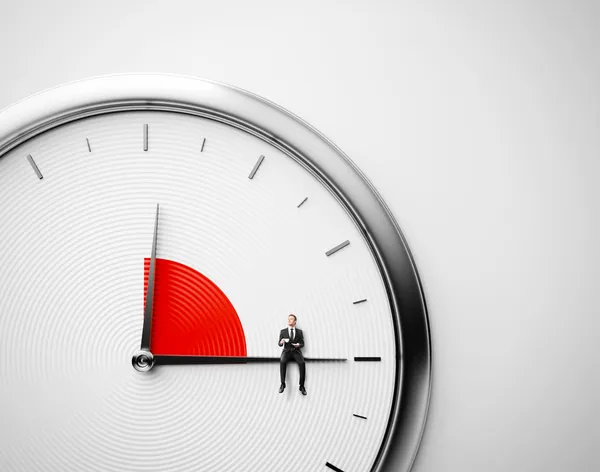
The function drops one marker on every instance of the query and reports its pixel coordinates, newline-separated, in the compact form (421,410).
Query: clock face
(244,233)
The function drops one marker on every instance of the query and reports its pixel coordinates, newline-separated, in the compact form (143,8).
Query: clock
(156,233)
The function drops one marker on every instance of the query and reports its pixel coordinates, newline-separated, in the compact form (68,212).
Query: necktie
(292,334)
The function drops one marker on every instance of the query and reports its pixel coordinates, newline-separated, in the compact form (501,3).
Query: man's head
(291,320)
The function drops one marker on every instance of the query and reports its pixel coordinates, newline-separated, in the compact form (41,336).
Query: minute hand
(186,360)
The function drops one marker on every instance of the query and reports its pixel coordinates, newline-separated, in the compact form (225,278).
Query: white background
(477,121)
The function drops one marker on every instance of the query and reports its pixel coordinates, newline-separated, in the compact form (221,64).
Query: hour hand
(146,330)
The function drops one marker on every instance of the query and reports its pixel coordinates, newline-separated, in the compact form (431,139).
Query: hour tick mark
(367,359)
(359,416)
(256,166)
(337,248)
(333,467)
(359,301)
(35,167)
(302,202)
(145,137)
(88,144)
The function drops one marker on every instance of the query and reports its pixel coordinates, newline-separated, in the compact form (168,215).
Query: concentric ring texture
(235,256)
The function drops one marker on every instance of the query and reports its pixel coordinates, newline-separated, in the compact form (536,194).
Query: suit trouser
(287,356)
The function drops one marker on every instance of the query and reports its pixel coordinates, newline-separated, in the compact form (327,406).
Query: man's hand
(296,345)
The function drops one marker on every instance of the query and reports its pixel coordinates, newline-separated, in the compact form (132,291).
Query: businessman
(292,340)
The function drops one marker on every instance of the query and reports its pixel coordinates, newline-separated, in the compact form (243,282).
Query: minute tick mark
(145,137)
(256,166)
(333,467)
(35,167)
(337,248)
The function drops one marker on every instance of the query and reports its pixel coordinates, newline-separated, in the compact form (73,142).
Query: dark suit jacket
(298,339)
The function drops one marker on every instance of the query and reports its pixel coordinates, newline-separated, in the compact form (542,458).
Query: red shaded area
(191,315)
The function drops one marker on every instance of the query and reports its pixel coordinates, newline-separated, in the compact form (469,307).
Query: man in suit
(292,341)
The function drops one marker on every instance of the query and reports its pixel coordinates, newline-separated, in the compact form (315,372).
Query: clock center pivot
(142,361)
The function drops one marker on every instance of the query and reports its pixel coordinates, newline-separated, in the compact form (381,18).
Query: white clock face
(239,247)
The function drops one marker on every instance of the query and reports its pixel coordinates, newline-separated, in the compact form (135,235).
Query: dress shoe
(302,389)
(282,388)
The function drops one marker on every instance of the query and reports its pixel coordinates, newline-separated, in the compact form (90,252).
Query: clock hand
(143,360)
(146,330)
(186,360)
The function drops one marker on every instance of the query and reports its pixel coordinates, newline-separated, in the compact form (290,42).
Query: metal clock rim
(279,127)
